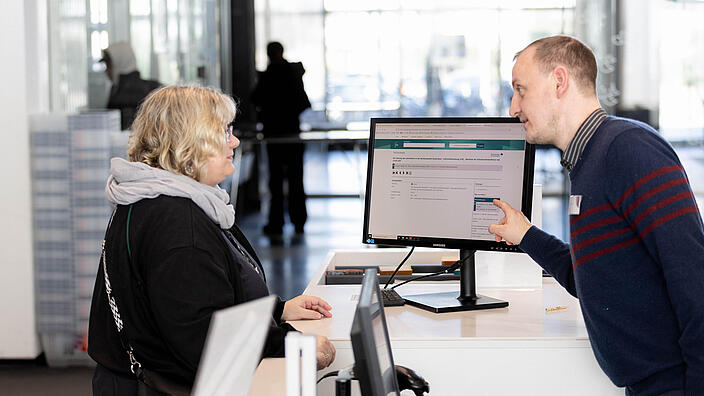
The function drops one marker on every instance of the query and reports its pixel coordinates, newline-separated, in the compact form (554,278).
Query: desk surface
(524,318)
(270,378)
(521,349)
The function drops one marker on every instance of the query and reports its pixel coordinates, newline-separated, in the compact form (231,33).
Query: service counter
(518,350)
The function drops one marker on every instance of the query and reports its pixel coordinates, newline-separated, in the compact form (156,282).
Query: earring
(189,169)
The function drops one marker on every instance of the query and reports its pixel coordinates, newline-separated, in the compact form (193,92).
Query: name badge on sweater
(575,204)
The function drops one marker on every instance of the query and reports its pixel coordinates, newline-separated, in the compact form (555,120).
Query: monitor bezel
(448,243)
(363,343)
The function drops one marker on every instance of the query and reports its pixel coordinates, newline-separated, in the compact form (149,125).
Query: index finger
(494,229)
(504,206)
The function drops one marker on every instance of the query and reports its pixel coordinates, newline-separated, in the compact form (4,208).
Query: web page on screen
(439,180)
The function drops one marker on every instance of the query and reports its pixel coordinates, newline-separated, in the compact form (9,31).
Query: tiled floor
(35,379)
(290,261)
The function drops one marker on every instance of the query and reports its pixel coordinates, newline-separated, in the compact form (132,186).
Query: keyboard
(390,298)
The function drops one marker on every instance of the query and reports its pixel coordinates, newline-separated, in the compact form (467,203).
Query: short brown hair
(178,127)
(569,52)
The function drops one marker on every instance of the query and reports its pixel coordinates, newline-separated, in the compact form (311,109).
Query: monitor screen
(431,181)
(374,363)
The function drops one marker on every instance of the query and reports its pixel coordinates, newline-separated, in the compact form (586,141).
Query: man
(128,89)
(280,99)
(636,257)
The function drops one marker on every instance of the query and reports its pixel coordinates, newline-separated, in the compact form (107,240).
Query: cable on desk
(328,375)
(450,268)
(391,278)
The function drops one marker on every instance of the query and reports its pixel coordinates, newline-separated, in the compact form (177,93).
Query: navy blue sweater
(635,261)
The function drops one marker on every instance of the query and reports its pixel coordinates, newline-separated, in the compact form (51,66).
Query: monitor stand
(467,300)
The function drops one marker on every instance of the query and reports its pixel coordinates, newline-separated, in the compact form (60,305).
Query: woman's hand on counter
(306,307)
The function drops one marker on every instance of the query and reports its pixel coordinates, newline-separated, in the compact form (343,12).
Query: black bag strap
(135,365)
(153,380)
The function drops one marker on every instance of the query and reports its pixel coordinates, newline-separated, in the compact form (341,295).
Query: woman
(172,251)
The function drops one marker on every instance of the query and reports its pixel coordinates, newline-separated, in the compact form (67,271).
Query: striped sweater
(635,260)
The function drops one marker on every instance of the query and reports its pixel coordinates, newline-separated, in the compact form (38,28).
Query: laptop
(233,348)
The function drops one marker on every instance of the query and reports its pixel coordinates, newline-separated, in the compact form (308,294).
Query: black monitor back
(374,363)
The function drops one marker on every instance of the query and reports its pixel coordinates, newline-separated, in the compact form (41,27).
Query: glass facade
(405,58)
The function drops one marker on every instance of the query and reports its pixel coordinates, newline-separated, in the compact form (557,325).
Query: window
(405,57)
(681,71)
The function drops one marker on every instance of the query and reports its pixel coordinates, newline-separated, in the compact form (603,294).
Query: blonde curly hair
(178,127)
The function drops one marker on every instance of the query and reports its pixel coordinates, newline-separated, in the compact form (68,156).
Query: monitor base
(448,302)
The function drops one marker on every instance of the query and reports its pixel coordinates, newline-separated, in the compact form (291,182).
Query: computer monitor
(431,183)
(373,360)
(233,348)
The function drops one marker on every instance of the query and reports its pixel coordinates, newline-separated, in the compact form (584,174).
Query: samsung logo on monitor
(438,245)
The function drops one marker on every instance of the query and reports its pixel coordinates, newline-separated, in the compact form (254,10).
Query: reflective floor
(290,260)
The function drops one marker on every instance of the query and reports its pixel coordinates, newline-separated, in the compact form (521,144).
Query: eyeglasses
(228,133)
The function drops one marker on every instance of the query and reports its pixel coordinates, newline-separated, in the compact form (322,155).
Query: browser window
(461,166)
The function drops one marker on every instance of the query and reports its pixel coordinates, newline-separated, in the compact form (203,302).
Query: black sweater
(181,271)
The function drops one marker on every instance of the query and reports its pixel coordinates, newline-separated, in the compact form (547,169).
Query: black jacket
(280,97)
(181,271)
(128,94)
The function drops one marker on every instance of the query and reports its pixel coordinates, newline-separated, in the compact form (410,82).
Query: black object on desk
(406,378)
(427,268)
(373,359)
(409,379)
(332,278)
(420,268)
(390,298)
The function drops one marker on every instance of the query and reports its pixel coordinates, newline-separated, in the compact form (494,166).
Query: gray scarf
(130,182)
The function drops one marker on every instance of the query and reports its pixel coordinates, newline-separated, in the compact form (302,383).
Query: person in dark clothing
(173,253)
(280,98)
(128,89)
(636,234)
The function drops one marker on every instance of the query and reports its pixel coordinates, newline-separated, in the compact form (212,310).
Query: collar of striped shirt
(580,139)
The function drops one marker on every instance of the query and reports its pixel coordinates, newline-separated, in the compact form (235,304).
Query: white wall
(18,336)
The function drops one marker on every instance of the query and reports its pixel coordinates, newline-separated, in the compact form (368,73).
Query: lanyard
(244,253)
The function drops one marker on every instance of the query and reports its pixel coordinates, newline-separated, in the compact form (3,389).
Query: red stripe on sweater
(664,202)
(591,226)
(646,231)
(654,191)
(590,211)
(677,213)
(599,253)
(599,238)
(606,206)
(647,178)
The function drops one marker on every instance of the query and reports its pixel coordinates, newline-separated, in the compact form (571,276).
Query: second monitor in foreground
(431,182)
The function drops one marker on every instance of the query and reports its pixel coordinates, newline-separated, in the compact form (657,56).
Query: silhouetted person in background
(128,89)
(280,98)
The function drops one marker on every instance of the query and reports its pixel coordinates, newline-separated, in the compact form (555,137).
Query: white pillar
(18,335)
